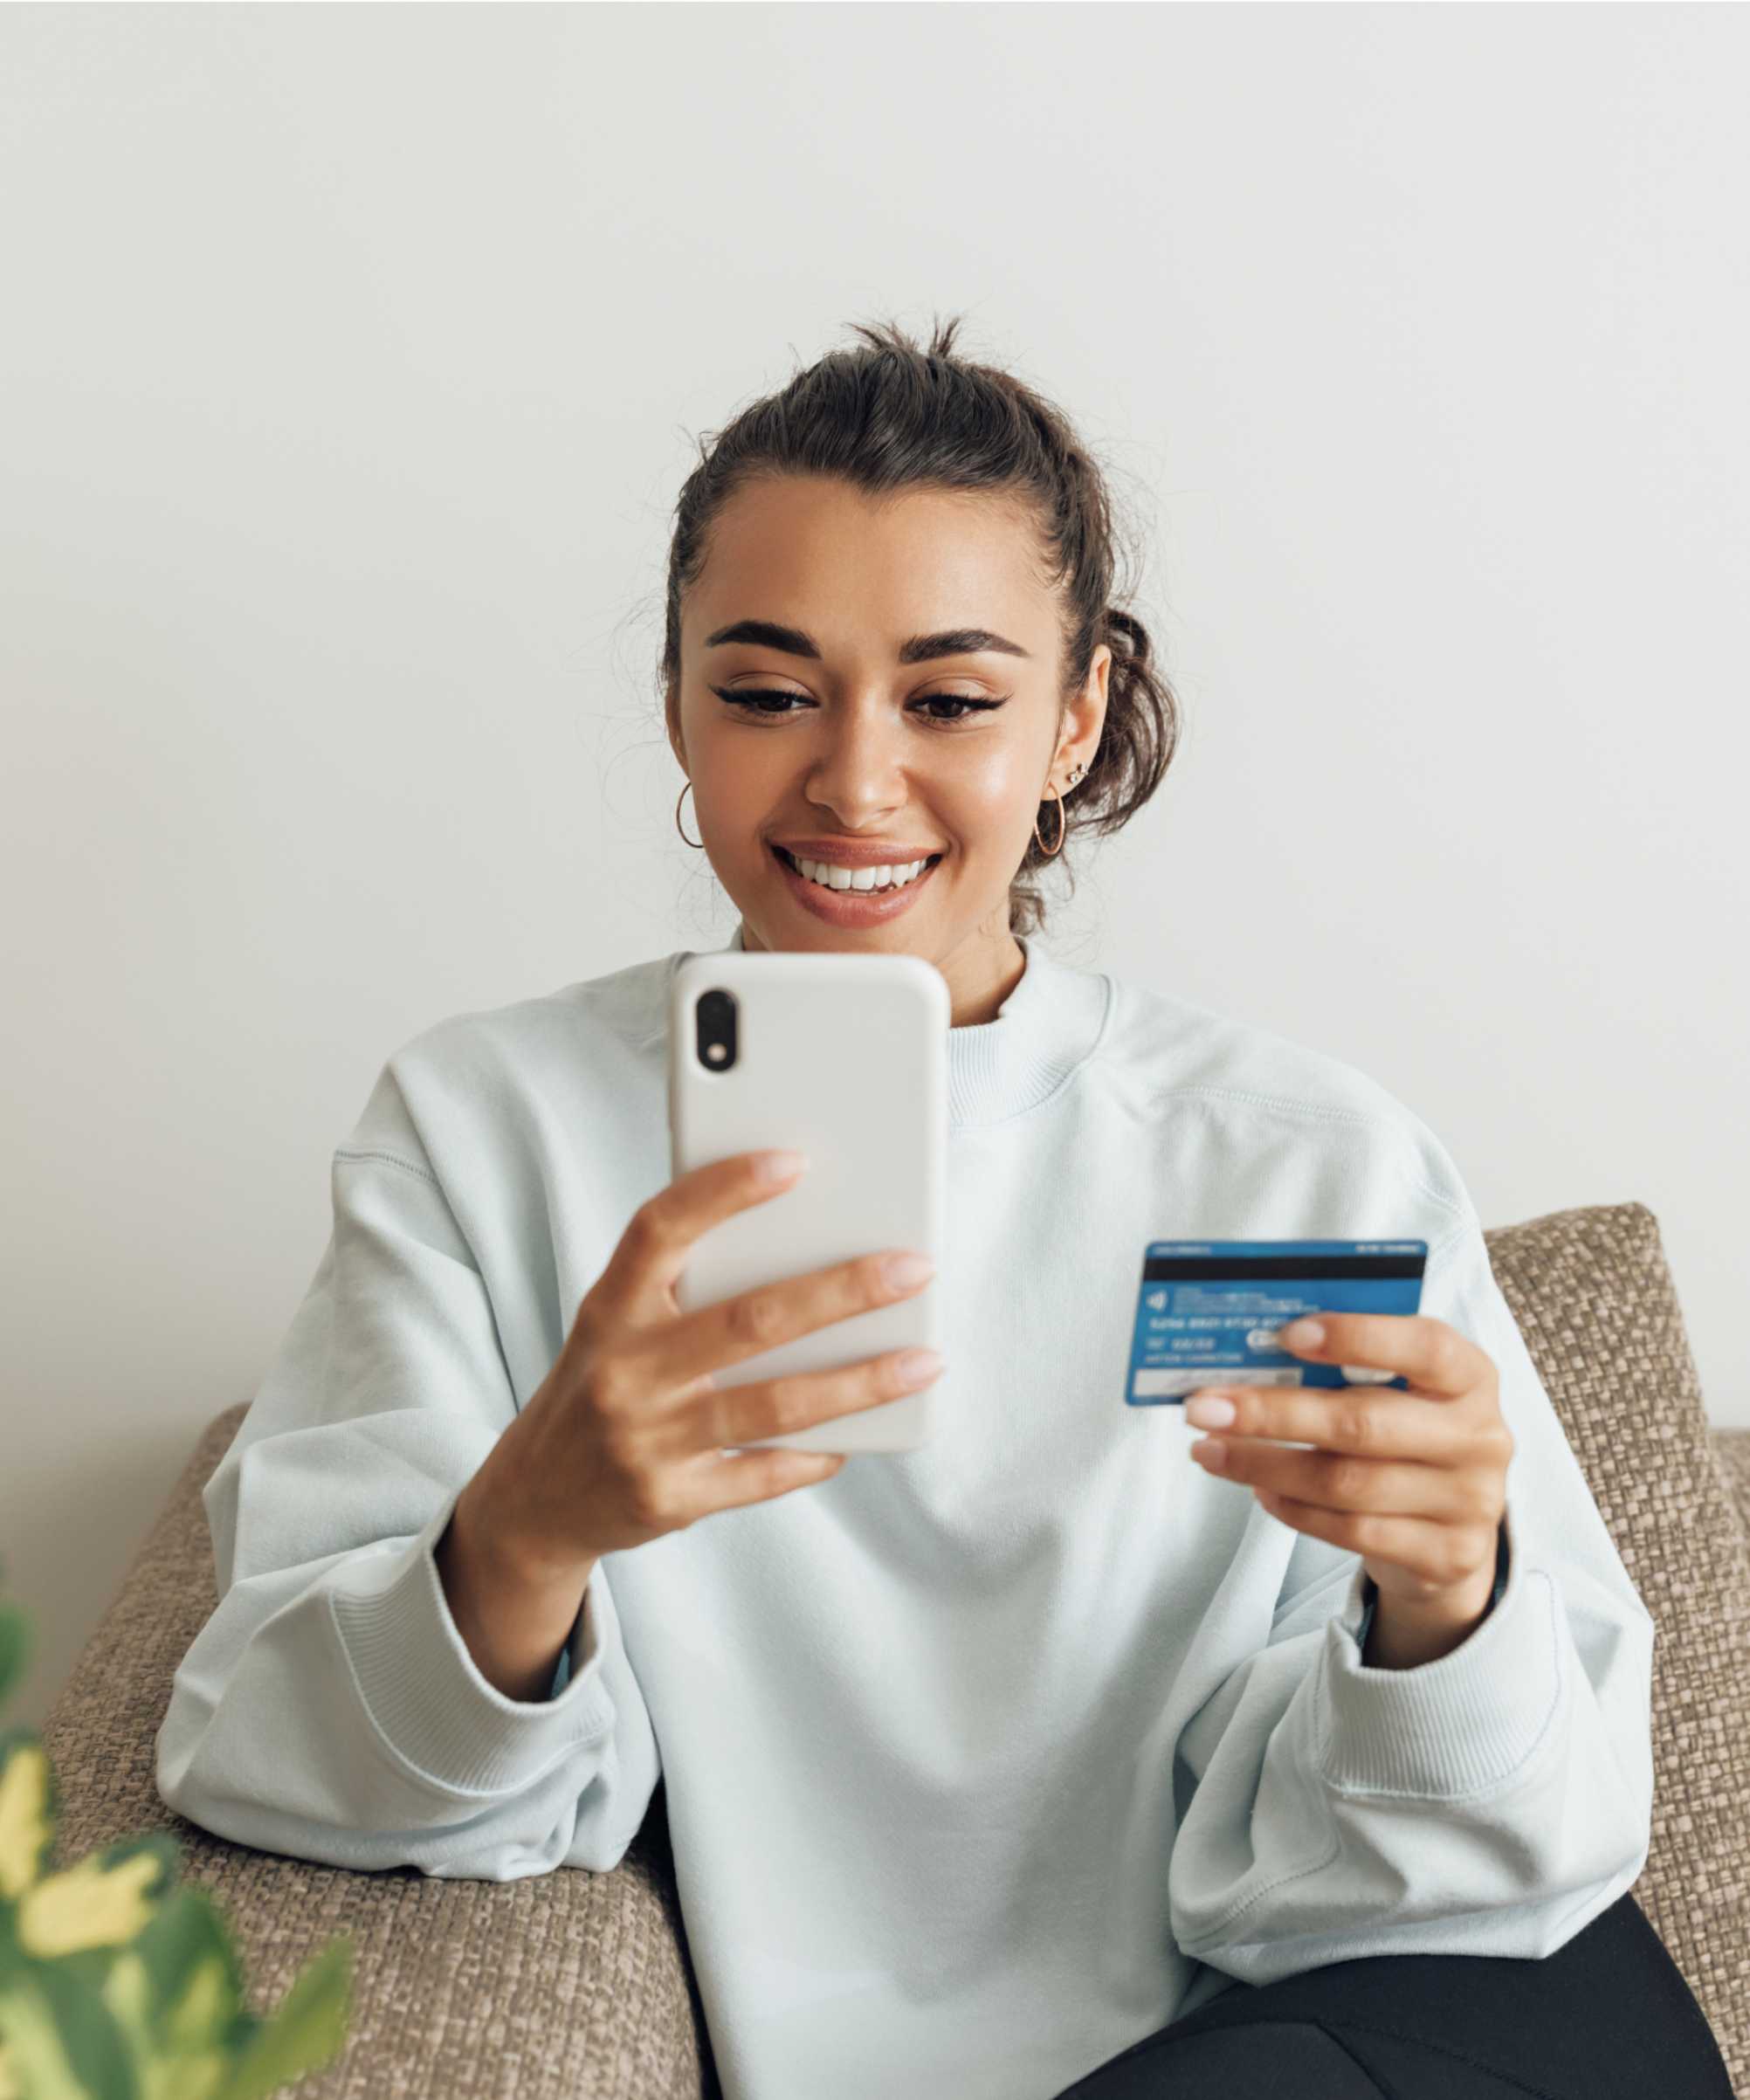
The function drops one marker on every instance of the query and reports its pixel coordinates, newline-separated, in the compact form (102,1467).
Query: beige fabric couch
(577,1986)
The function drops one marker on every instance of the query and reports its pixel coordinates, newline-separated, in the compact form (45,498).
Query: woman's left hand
(1416,1482)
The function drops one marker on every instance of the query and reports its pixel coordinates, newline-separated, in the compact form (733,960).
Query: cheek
(736,776)
(994,790)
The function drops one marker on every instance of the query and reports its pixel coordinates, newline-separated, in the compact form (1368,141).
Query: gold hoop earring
(1052,852)
(697,844)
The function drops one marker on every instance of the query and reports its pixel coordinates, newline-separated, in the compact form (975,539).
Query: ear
(671,710)
(1083,717)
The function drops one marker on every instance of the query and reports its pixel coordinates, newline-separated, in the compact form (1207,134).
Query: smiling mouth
(864,881)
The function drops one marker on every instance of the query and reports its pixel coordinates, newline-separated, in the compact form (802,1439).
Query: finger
(1437,1554)
(732,1480)
(758,1320)
(686,1490)
(654,1247)
(1436,1358)
(1360,1420)
(779,1406)
(1362,1485)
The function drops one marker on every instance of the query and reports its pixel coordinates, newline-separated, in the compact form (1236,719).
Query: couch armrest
(1595,1301)
(572,1986)
(1732,1449)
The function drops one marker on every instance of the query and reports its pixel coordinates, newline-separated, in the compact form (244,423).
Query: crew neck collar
(1047,1027)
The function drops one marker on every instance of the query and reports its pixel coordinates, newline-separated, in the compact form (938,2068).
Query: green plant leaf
(15,1644)
(36,2064)
(183,2056)
(89,2047)
(27,1812)
(304,2031)
(106,1900)
(196,1979)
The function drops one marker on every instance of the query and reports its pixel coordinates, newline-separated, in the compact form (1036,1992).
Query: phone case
(843,1058)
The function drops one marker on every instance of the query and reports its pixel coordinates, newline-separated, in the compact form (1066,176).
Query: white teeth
(893,877)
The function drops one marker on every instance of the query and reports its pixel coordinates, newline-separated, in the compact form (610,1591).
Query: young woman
(1312,1751)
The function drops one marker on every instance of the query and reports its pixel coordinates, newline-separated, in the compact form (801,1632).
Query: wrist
(514,1611)
(496,1528)
(1403,1630)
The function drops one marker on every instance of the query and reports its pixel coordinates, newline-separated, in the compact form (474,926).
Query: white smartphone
(843,1058)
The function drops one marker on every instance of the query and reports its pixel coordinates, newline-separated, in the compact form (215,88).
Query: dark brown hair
(894,414)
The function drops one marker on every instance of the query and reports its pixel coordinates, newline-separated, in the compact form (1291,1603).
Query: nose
(857,773)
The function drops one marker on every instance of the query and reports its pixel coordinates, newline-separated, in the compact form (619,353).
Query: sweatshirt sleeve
(329,1709)
(1494,1802)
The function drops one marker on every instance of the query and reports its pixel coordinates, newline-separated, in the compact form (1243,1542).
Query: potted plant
(118,1983)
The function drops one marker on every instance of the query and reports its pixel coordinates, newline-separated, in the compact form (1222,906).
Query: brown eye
(762,700)
(953,707)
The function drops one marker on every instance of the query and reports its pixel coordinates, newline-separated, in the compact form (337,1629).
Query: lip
(856,852)
(850,908)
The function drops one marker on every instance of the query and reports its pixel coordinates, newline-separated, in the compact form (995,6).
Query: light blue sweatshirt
(981,1763)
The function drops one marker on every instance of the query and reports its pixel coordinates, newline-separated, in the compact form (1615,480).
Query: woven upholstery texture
(1595,1302)
(569,1987)
(1732,1449)
(574,1987)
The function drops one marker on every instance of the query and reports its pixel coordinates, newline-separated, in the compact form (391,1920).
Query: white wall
(346,362)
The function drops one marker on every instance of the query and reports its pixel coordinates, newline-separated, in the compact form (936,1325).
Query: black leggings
(1607,2018)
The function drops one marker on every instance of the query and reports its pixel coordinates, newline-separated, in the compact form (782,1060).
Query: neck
(980,971)
(983,971)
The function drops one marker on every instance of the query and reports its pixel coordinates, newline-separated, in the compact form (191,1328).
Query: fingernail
(918,1367)
(778,1166)
(1211,1454)
(1302,1334)
(1210,1411)
(903,1272)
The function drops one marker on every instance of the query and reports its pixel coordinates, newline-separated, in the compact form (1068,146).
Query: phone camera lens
(713,1020)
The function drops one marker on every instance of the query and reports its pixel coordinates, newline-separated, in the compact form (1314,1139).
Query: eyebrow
(957,642)
(791,640)
(922,649)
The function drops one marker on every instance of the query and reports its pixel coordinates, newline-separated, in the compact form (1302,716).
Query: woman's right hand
(629,1437)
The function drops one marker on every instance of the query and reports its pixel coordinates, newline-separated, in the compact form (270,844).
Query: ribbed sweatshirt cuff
(1447,1729)
(422,1688)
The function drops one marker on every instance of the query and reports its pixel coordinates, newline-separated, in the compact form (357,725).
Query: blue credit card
(1210,1311)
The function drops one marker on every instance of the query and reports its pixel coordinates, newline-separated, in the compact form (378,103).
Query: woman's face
(870,707)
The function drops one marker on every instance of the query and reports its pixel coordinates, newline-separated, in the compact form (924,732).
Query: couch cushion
(1594,1298)
(569,1987)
